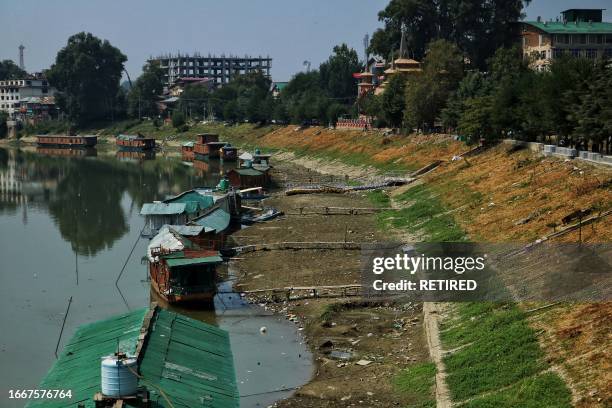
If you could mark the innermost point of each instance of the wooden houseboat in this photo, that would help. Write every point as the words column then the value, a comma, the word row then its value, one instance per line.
column 246, row 177
column 187, row 152
column 201, row 145
column 214, row 149
column 180, row 270
column 66, row 141
column 184, row 361
column 135, row 142
column 229, row 153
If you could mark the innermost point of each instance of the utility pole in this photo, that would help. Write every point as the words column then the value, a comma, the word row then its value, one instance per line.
column 21, row 64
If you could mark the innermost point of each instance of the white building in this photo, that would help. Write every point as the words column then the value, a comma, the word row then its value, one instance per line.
column 12, row 91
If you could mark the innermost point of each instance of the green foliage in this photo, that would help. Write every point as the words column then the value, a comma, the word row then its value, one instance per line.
column 86, row 73
column 10, row 70
column 427, row 94
column 393, row 100
column 336, row 74
column 379, row 198
column 178, row 119
column 143, row 98
column 416, row 384
column 475, row 121
column 478, row 27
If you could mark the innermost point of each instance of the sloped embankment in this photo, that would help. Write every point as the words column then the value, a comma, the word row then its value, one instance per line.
column 504, row 195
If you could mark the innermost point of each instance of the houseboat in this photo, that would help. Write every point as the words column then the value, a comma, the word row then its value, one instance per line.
column 180, row 270
column 135, row 142
column 229, row 153
column 187, row 152
column 201, row 147
column 128, row 359
column 246, row 177
column 214, row 149
column 66, row 141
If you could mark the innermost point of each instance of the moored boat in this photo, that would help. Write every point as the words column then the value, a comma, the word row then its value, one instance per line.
column 135, row 142
column 229, row 153
column 180, row 270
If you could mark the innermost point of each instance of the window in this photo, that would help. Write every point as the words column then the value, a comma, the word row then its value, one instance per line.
column 608, row 38
column 575, row 52
column 591, row 53
column 608, row 52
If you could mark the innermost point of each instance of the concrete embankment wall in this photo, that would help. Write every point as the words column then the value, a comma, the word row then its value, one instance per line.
column 562, row 152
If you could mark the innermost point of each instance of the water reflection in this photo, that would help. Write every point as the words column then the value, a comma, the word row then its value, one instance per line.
column 83, row 194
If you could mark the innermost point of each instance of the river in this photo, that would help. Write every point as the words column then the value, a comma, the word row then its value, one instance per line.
column 67, row 226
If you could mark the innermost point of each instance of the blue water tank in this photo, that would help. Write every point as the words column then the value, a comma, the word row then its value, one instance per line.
column 119, row 377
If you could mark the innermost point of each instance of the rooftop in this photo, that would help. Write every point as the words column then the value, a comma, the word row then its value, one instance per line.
column 217, row 219
column 190, row 361
column 554, row 27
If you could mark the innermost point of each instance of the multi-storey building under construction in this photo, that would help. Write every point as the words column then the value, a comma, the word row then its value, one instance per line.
column 219, row 69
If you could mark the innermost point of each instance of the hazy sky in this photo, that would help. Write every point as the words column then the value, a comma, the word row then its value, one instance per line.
column 290, row 31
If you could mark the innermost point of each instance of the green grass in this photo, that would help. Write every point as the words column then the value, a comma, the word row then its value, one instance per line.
column 379, row 198
column 425, row 214
column 416, row 385
column 497, row 349
column 543, row 391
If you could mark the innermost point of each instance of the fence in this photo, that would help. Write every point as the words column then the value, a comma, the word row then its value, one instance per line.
column 562, row 152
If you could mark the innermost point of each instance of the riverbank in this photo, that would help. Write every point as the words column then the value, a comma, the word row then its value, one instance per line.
column 499, row 195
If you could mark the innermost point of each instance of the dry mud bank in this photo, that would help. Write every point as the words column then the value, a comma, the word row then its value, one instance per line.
column 359, row 346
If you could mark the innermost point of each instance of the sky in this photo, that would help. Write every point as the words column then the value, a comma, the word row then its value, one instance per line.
column 290, row 31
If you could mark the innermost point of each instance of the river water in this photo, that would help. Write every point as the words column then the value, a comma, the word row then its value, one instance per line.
column 67, row 227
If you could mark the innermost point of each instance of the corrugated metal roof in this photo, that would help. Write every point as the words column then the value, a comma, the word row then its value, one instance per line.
column 162, row 208
column 188, row 144
column 190, row 361
column 572, row 28
column 217, row 220
column 172, row 262
column 78, row 368
column 192, row 196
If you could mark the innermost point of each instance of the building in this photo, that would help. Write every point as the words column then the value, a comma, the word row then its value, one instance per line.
column 579, row 33
column 14, row 91
column 220, row 69
column 177, row 362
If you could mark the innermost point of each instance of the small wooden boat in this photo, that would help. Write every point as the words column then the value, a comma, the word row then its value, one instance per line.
column 229, row 153
column 135, row 142
column 268, row 214
column 66, row 141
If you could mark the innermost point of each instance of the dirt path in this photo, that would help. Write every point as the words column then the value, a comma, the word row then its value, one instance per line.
column 431, row 313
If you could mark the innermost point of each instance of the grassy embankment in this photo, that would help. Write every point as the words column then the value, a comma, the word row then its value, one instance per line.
column 497, row 348
column 504, row 196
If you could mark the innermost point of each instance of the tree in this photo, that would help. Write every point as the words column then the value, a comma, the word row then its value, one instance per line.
column 143, row 98
column 336, row 74
column 178, row 119
column 475, row 122
column 86, row 74
column 427, row 94
column 478, row 27
column 10, row 70
column 473, row 85
column 393, row 100
column 592, row 114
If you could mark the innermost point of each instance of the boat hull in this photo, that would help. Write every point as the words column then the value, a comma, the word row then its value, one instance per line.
column 201, row 297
